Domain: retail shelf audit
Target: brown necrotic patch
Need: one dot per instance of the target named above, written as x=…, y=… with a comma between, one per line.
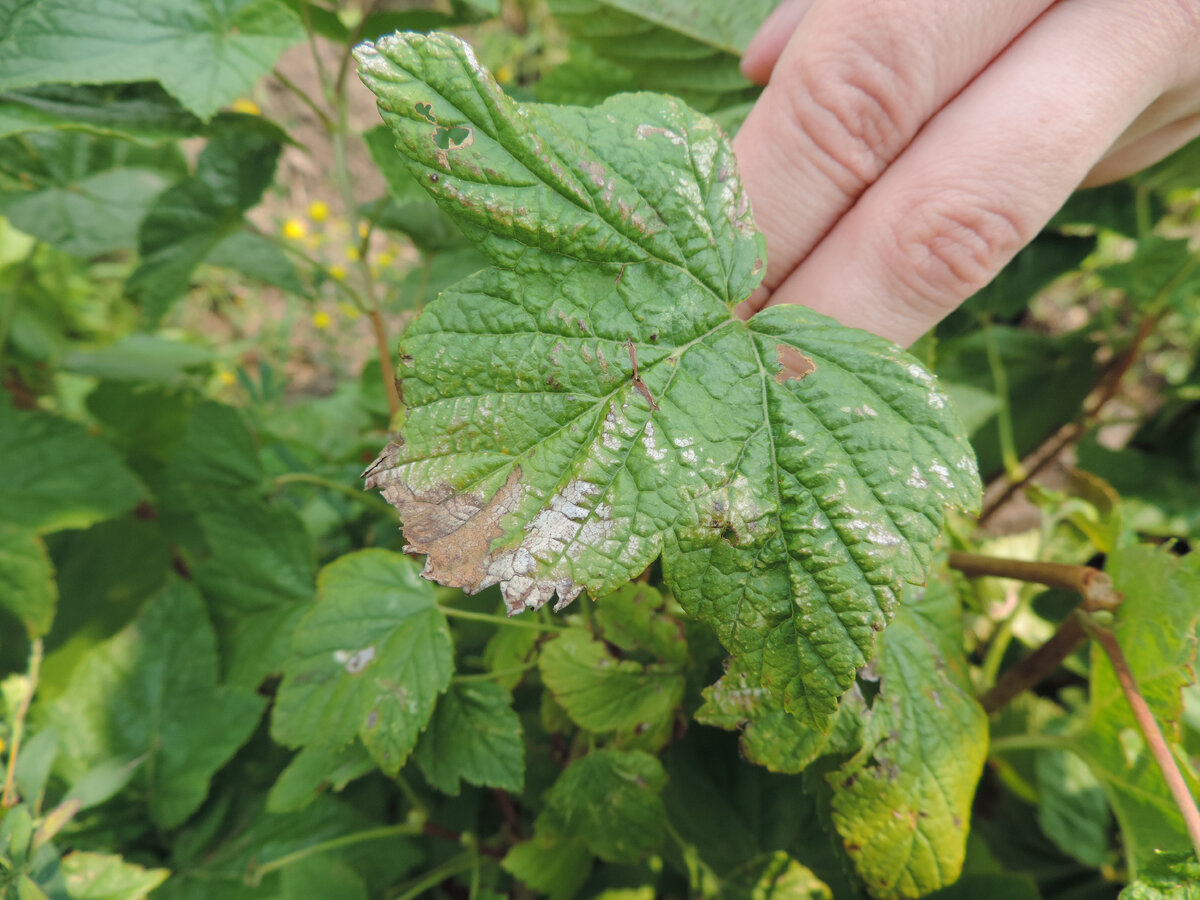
x=793, y=365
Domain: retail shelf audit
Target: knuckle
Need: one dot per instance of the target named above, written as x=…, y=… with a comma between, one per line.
x=849, y=106
x=946, y=247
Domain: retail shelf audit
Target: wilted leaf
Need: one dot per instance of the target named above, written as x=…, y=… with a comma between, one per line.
x=591, y=401
x=903, y=804
x=97, y=876
x=369, y=660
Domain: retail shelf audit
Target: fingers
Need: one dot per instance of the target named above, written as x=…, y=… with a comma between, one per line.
x=772, y=36
x=991, y=168
x=855, y=82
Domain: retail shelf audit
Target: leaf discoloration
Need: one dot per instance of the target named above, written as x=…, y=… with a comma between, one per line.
x=793, y=365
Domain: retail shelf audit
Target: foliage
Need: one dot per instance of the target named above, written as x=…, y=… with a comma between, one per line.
x=224, y=675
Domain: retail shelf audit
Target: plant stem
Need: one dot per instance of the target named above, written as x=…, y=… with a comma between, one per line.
x=18, y=722
x=1094, y=586
x=498, y=673
x=1015, y=742
x=494, y=620
x=1035, y=667
x=365, y=497
x=434, y=877
x=1152, y=733
x=303, y=97
x=405, y=829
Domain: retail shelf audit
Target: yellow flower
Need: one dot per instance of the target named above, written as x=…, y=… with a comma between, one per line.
x=245, y=105
x=352, y=254
x=504, y=74
x=294, y=229
x=385, y=258
x=322, y=319
x=338, y=272
x=318, y=210
x=349, y=310
x=226, y=378
x=362, y=229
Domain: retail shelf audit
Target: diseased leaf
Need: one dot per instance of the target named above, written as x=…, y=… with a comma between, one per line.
x=27, y=586
x=152, y=691
x=42, y=486
x=903, y=803
x=610, y=800
x=97, y=876
x=1156, y=628
x=771, y=736
x=369, y=660
x=591, y=401
x=474, y=736
x=1167, y=876
x=205, y=53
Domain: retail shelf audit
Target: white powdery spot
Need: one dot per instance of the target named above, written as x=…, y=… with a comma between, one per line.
x=689, y=456
x=684, y=442
x=916, y=480
x=937, y=400
x=874, y=533
x=942, y=473
x=652, y=450
x=865, y=412
x=645, y=131
x=920, y=374
x=354, y=661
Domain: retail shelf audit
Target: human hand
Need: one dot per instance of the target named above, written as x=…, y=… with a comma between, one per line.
x=904, y=150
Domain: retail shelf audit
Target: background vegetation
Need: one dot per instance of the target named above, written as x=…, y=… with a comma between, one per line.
x=207, y=254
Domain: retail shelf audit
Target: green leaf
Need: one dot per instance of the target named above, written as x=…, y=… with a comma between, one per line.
x=691, y=50
x=152, y=690
x=132, y=111
x=191, y=219
x=1156, y=628
x=903, y=803
x=474, y=736
x=43, y=486
x=369, y=660
x=256, y=257
x=95, y=215
x=791, y=471
x=603, y=693
x=315, y=769
x=609, y=799
x=1162, y=273
x=1072, y=808
x=140, y=357
x=98, y=876
x=205, y=53
x=1167, y=876
x=550, y=863
x=27, y=586
x=779, y=877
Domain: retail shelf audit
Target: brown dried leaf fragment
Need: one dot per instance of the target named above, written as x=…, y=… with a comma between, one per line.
x=793, y=365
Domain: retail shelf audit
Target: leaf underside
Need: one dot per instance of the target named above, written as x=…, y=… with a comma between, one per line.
x=590, y=401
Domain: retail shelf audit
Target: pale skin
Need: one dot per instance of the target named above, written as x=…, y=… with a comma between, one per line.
x=904, y=150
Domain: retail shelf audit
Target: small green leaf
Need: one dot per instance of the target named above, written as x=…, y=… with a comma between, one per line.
x=902, y=805
x=314, y=769
x=205, y=53
x=98, y=876
x=369, y=660
x=27, y=586
x=152, y=691
x=591, y=401
x=474, y=736
x=609, y=799
x=1072, y=808
x=43, y=487
x=550, y=863
x=258, y=258
x=602, y=693
x=131, y=111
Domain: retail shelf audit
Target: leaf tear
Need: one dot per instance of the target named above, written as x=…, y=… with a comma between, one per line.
x=793, y=365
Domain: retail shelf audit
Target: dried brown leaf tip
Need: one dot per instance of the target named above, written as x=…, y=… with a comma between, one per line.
x=793, y=365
